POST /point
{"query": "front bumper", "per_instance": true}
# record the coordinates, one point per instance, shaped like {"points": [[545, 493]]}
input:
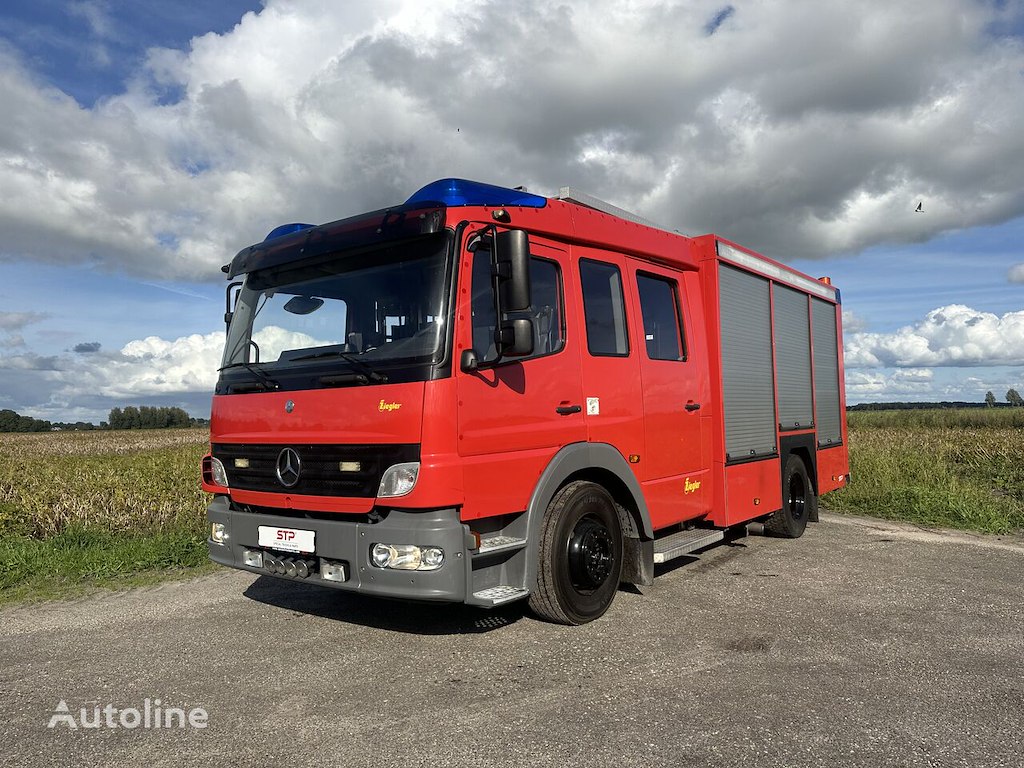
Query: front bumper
{"points": [[349, 542]]}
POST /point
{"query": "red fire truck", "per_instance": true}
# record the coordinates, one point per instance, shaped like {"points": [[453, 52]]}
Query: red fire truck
{"points": [[483, 395]]}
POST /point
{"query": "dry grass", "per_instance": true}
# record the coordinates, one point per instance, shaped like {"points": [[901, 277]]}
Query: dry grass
{"points": [[83, 510], [125, 481], [946, 468]]}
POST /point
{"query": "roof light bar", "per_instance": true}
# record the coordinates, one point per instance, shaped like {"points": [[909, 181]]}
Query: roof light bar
{"points": [[769, 269], [571, 195], [454, 192]]}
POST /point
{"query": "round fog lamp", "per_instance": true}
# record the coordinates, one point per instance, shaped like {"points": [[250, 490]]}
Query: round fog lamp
{"points": [[433, 557], [381, 554]]}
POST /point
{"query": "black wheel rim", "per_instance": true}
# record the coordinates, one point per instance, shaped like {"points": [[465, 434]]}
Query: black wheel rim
{"points": [[591, 554], [797, 496]]}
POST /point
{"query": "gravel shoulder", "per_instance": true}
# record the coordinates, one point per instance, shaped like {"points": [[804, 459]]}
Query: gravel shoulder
{"points": [[865, 642]]}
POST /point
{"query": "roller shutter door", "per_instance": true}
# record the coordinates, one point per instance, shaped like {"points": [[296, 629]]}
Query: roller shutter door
{"points": [[747, 382], [826, 374], [793, 358]]}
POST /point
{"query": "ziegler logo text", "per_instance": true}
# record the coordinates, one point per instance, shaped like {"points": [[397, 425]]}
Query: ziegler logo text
{"points": [[382, 407], [691, 487]]}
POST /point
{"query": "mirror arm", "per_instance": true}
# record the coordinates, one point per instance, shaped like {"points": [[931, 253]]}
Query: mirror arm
{"points": [[228, 303]]}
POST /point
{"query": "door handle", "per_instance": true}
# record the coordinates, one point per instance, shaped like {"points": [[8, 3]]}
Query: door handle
{"points": [[566, 410], [693, 406]]}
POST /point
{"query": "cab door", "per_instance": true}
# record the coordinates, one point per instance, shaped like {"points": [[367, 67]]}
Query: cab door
{"points": [[611, 374], [673, 472], [514, 414]]}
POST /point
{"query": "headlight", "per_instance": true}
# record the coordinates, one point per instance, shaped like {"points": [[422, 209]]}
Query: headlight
{"points": [[399, 479], [406, 557]]}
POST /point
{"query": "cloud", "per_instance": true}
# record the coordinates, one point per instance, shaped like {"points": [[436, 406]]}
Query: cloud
{"points": [[177, 372], [1016, 274], [862, 112], [101, 27], [954, 335], [852, 322], [16, 321], [86, 347], [154, 366], [873, 385], [11, 325], [273, 340]]}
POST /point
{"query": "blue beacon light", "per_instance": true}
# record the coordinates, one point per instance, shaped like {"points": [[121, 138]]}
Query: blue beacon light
{"points": [[453, 192], [286, 229]]}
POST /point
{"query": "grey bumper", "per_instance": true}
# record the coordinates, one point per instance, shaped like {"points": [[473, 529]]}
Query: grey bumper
{"points": [[350, 542]]}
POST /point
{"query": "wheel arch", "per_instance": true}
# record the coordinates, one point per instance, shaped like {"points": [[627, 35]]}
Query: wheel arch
{"points": [[804, 448], [602, 464]]}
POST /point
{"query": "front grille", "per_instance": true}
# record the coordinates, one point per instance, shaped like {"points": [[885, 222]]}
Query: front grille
{"points": [[320, 474]]}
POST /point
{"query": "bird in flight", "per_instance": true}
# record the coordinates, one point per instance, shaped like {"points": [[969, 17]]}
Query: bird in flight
{"points": [[920, 207]]}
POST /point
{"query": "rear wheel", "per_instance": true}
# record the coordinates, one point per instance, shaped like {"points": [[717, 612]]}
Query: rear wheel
{"points": [[580, 555], [799, 502]]}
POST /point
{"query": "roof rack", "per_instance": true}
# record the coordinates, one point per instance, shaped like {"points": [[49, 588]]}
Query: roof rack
{"points": [[571, 195]]}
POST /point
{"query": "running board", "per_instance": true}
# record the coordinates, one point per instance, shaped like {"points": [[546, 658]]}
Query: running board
{"points": [[494, 544], [499, 595], [684, 542]]}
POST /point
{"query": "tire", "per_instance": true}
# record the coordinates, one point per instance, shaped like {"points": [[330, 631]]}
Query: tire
{"points": [[799, 502], [580, 555]]}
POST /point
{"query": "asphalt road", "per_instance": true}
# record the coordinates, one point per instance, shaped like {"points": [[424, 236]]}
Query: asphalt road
{"points": [[863, 643]]}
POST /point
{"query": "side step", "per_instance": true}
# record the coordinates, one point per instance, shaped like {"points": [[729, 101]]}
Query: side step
{"points": [[684, 542], [500, 595], [494, 544]]}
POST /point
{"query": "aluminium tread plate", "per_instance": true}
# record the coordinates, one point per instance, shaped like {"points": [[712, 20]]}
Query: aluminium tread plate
{"points": [[500, 595], [499, 544], [684, 542]]}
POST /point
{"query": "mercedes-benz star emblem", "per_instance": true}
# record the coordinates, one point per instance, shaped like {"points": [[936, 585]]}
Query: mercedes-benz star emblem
{"points": [[289, 406], [289, 466]]}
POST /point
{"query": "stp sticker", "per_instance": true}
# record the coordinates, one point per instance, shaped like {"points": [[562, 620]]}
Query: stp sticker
{"points": [[287, 539]]}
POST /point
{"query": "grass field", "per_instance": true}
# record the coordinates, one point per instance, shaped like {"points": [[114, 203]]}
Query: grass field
{"points": [[81, 510], [943, 468]]}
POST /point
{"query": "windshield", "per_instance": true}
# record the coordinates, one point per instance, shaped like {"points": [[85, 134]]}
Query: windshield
{"points": [[355, 311]]}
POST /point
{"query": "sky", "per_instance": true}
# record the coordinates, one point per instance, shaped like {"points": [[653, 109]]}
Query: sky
{"points": [[143, 144]]}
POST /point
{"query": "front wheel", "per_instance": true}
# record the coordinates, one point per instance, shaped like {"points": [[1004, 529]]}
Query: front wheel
{"points": [[799, 502], [580, 555]]}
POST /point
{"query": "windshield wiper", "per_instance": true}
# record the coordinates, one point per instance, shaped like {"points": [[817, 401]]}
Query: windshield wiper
{"points": [[371, 374], [264, 379]]}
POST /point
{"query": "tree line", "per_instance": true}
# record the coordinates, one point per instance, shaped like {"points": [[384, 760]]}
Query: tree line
{"points": [[147, 417], [1012, 397], [11, 421], [131, 417]]}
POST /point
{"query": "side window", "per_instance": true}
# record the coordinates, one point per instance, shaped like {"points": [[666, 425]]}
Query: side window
{"points": [[604, 309], [546, 312], [659, 305]]}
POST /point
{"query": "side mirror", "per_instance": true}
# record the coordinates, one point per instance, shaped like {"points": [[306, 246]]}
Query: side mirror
{"points": [[469, 361], [511, 268], [514, 337]]}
